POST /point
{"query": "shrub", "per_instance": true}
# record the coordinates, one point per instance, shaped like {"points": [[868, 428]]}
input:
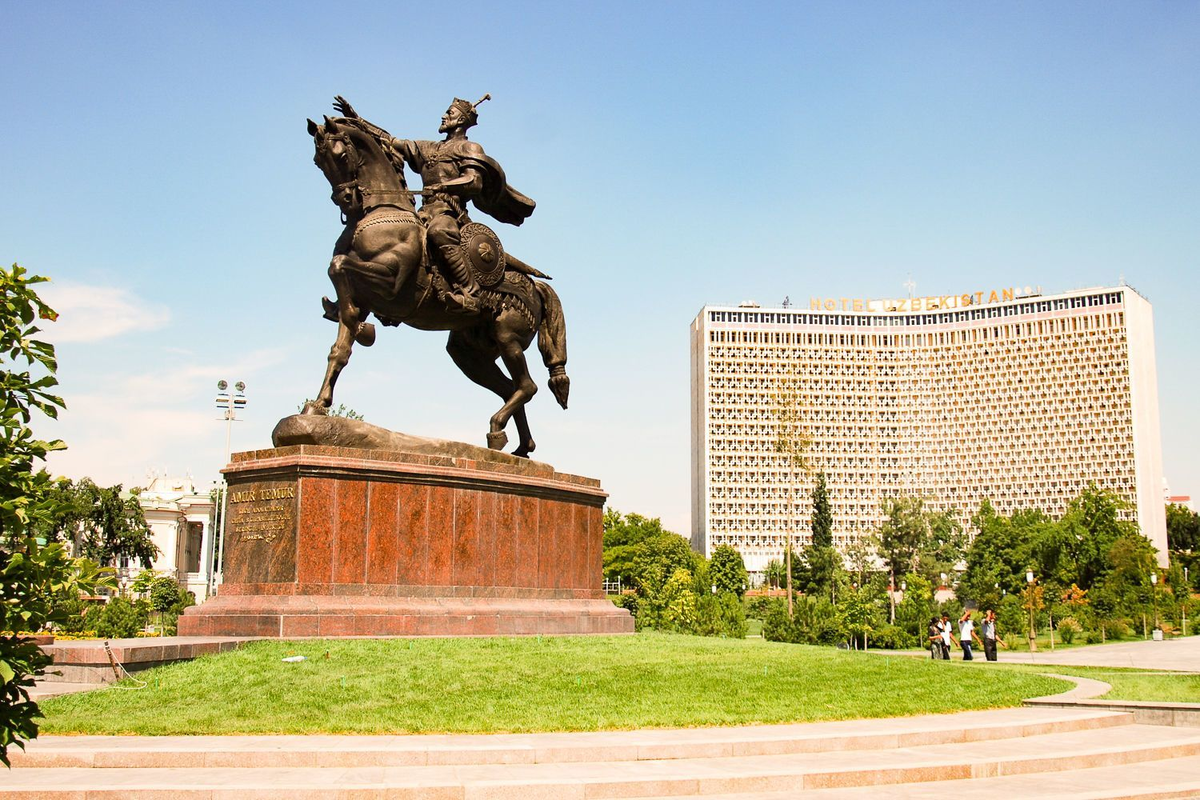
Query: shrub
{"points": [[629, 602], [679, 602], [890, 637], [164, 593], [71, 615], [1068, 629], [759, 607], [820, 622], [778, 627], [720, 615], [1116, 628], [118, 619], [1093, 637], [171, 617], [727, 571], [33, 581]]}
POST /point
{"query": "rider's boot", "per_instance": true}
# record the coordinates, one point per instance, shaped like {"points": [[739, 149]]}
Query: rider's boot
{"points": [[462, 300]]}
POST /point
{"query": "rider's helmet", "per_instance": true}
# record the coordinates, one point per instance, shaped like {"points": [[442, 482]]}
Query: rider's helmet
{"points": [[467, 109]]}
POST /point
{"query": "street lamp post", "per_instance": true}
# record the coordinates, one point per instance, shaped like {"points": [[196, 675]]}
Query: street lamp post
{"points": [[892, 597], [229, 403], [1154, 597], [1032, 634]]}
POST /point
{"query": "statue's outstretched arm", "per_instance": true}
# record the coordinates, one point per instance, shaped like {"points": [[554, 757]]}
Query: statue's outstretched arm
{"points": [[343, 107]]}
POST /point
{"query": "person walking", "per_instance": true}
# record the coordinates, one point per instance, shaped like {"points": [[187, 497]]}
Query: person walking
{"points": [[947, 634], [990, 638], [935, 638], [966, 632]]}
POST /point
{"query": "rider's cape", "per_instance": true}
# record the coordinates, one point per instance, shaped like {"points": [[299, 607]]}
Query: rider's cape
{"points": [[497, 199]]}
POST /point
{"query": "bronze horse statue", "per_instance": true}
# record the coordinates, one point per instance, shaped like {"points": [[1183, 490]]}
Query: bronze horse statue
{"points": [[381, 266]]}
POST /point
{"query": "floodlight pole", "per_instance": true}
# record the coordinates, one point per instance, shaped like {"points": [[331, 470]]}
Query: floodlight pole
{"points": [[1032, 634], [229, 402]]}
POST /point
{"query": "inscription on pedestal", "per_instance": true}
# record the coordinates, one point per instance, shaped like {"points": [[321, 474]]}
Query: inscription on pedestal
{"points": [[261, 513], [262, 532]]}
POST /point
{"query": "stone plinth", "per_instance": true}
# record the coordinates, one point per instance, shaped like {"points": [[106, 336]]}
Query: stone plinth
{"points": [[333, 541]]}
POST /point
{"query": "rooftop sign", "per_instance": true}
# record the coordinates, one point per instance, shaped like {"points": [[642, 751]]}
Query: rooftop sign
{"points": [[860, 305]]}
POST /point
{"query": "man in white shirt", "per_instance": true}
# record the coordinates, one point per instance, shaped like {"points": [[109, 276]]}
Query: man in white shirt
{"points": [[966, 632]]}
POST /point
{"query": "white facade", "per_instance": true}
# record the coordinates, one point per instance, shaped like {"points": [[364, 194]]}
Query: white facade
{"points": [[1022, 400], [181, 521]]}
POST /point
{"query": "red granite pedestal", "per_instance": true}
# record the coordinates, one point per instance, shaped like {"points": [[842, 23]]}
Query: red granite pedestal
{"points": [[330, 541]]}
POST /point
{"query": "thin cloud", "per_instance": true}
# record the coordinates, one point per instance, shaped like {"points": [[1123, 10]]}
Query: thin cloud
{"points": [[94, 313], [120, 426]]}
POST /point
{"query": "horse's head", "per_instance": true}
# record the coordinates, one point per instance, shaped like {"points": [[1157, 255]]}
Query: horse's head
{"points": [[356, 167], [339, 159]]}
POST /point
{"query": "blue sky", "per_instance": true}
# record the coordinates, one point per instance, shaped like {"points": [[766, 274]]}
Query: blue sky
{"points": [[156, 166]]}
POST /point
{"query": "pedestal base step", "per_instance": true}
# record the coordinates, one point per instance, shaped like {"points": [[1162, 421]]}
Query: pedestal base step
{"points": [[298, 616]]}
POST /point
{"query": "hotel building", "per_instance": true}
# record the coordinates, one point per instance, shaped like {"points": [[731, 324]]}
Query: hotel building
{"points": [[1008, 395]]}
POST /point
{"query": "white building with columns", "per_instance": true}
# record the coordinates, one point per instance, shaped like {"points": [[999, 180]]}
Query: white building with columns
{"points": [[181, 519]]}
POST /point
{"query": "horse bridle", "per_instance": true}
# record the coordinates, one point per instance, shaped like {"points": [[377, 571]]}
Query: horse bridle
{"points": [[352, 161]]}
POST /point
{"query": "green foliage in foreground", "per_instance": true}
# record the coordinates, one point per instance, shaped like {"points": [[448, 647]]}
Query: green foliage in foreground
{"points": [[492, 685], [32, 577]]}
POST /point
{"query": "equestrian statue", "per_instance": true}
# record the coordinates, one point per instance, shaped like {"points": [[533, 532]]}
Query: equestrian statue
{"points": [[434, 268]]}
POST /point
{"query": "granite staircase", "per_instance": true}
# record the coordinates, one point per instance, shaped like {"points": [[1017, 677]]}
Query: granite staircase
{"points": [[1020, 752]]}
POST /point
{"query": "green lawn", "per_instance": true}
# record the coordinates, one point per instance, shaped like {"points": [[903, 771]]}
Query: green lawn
{"points": [[1130, 684], [529, 684]]}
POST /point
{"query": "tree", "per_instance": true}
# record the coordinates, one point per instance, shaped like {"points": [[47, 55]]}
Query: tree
{"points": [[33, 577], [102, 523], [999, 555], [904, 532], [791, 443], [623, 535], [1183, 529], [822, 516], [1132, 560], [942, 550], [821, 558], [1077, 549], [774, 573], [914, 611], [727, 570], [660, 557]]}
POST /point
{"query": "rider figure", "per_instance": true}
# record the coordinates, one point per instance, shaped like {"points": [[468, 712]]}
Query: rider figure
{"points": [[453, 171]]}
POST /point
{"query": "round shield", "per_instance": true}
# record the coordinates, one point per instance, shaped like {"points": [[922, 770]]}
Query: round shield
{"points": [[482, 251]]}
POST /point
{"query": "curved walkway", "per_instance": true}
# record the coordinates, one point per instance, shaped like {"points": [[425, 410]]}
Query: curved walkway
{"points": [[1173, 655]]}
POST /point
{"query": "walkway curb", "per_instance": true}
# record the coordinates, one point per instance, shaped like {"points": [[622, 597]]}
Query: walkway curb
{"points": [[1145, 712]]}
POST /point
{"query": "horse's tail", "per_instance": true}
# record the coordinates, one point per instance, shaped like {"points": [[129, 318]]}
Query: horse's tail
{"points": [[552, 341]]}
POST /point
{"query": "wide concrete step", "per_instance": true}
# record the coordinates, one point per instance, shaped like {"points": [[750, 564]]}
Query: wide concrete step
{"points": [[641, 745], [1145, 780], [792, 773]]}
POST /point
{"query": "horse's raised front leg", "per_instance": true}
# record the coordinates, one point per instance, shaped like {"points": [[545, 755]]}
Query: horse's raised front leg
{"points": [[349, 321]]}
